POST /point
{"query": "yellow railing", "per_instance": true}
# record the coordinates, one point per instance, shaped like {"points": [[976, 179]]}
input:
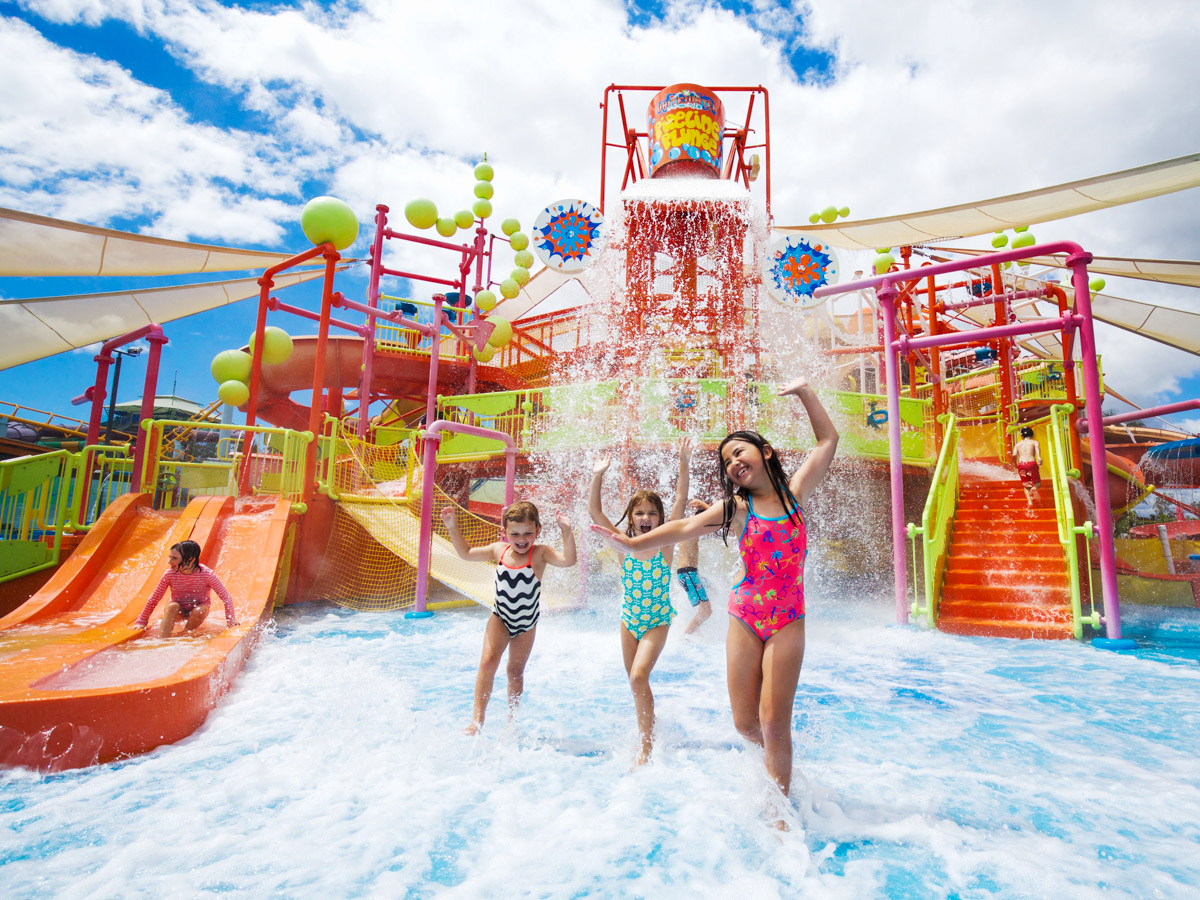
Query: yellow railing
{"points": [[102, 474], [275, 458], [398, 340], [936, 526], [1061, 472]]}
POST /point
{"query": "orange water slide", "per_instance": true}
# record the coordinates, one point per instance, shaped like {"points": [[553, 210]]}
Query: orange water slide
{"points": [[80, 684]]}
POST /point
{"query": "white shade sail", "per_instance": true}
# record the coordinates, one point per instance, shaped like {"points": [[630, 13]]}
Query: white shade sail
{"points": [[38, 245], [1184, 272], [36, 328], [999, 213]]}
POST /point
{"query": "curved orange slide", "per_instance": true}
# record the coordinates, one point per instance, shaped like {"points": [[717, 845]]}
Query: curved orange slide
{"points": [[79, 684]]}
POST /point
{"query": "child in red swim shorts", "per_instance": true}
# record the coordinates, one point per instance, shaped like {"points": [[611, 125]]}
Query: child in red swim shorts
{"points": [[1027, 454]]}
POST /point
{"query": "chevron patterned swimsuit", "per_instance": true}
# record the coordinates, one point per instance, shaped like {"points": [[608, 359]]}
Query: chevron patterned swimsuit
{"points": [[518, 590], [771, 595]]}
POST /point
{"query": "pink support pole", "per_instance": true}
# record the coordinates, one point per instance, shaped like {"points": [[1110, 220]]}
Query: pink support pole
{"points": [[1078, 262], [368, 363], [435, 352], [433, 439], [887, 304], [149, 390]]}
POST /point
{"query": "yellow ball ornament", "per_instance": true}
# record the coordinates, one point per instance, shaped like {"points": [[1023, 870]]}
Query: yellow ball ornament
{"points": [[484, 172], [277, 346], [520, 276], [485, 300], [231, 365], [485, 354], [523, 258], [235, 393], [446, 227], [502, 333], [519, 241], [510, 227], [421, 213], [484, 190], [482, 208], [509, 289], [464, 218]]}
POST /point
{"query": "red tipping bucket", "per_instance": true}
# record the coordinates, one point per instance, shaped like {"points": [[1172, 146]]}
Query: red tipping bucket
{"points": [[686, 123]]}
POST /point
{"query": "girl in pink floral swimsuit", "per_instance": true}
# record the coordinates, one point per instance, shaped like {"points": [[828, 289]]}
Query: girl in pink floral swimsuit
{"points": [[765, 642]]}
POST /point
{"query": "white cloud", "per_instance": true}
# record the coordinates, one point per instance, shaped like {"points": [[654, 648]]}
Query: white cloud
{"points": [[929, 105]]}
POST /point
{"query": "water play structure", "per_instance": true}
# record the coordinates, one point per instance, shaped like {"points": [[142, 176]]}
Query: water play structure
{"points": [[667, 307]]}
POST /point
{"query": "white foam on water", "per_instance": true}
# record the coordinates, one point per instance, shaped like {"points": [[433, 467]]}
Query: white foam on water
{"points": [[926, 765]]}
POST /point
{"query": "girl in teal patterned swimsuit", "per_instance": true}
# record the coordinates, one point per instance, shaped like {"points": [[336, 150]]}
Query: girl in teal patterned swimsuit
{"points": [[646, 612]]}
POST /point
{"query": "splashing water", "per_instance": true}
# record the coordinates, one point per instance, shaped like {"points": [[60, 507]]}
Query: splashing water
{"points": [[926, 765]]}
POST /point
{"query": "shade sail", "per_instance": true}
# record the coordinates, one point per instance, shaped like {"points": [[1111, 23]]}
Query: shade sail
{"points": [[40, 327], [38, 245], [999, 213], [540, 286], [1168, 271]]}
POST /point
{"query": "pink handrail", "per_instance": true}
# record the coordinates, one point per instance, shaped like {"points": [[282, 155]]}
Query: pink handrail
{"points": [[1181, 406], [1077, 259]]}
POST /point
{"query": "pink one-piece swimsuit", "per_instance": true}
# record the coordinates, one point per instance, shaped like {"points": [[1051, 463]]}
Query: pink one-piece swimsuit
{"points": [[771, 595]]}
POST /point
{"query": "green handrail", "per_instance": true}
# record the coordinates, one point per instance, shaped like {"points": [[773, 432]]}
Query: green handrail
{"points": [[936, 521], [101, 474], [1060, 473], [33, 497]]}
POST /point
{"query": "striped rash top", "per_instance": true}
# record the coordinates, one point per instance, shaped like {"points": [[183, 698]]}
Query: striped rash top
{"points": [[518, 591], [190, 590]]}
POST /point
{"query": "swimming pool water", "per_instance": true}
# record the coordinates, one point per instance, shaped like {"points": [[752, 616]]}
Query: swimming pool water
{"points": [[926, 765]]}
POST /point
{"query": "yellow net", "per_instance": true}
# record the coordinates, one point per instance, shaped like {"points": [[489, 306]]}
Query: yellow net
{"points": [[371, 559]]}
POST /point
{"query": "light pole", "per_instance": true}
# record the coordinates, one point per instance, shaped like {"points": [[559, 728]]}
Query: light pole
{"points": [[112, 401]]}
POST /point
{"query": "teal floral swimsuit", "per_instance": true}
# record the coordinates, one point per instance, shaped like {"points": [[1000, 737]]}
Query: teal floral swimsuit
{"points": [[647, 594]]}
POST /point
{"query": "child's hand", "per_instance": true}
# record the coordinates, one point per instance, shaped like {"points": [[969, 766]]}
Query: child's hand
{"points": [[685, 450], [563, 521], [794, 387], [620, 541], [449, 516], [697, 505], [601, 465]]}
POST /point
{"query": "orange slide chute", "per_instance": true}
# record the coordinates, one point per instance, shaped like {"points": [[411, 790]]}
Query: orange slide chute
{"points": [[79, 684]]}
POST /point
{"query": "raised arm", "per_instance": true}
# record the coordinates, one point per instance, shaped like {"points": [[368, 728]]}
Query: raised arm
{"points": [[817, 463], [566, 557], [595, 510], [666, 535], [461, 547], [684, 484]]}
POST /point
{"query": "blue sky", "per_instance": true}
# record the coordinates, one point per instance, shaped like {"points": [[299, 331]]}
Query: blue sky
{"points": [[215, 122]]}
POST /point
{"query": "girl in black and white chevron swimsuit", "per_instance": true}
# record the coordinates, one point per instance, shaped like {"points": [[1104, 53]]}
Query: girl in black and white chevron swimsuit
{"points": [[513, 625], [517, 592]]}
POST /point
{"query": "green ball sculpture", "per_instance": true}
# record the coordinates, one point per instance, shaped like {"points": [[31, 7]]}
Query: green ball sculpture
{"points": [[509, 289], [484, 172], [485, 300], [484, 355], [520, 276], [484, 190], [235, 393], [1024, 239], [277, 346], [510, 227], [843, 212], [523, 258], [815, 218], [482, 208], [829, 214], [421, 213], [1000, 240], [445, 227], [883, 262], [519, 240], [328, 220], [464, 218], [231, 365], [1097, 284]]}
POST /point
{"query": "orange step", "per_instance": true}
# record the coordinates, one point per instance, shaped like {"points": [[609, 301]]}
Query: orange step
{"points": [[972, 577], [994, 628], [997, 611]]}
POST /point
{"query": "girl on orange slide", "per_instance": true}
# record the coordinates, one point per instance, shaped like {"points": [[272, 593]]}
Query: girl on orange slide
{"points": [[190, 582]]}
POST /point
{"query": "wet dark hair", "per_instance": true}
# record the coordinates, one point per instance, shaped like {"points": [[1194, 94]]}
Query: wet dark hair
{"points": [[189, 554], [634, 501], [774, 467], [1026, 432]]}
